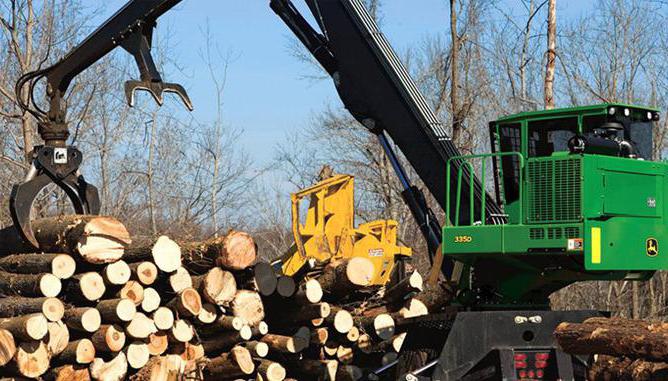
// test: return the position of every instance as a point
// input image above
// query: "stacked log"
(94, 304)
(621, 349)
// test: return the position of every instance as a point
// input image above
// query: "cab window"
(551, 135)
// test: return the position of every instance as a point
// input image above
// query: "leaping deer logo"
(652, 247)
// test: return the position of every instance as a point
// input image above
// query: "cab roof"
(601, 108)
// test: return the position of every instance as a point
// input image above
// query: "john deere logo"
(652, 247)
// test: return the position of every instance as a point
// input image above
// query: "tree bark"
(615, 340)
(607, 368)
(52, 308)
(78, 352)
(30, 285)
(108, 339)
(98, 239)
(26, 327)
(217, 286)
(83, 319)
(116, 310)
(60, 265)
(237, 362)
(551, 53)
(163, 252)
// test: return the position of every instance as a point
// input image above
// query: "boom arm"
(378, 91)
(55, 162)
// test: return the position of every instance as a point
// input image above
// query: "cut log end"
(166, 254)
(137, 354)
(146, 273)
(63, 266)
(104, 240)
(163, 318)
(53, 309)
(50, 285)
(92, 286)
(237, 251)
(32, 359)
(7, 346)
(117, 273)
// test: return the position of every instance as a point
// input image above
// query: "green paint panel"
(577, 217)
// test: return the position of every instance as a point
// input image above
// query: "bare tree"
(551, 54)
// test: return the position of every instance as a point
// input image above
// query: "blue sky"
(266, 96)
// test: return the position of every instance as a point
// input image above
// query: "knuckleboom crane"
(55, 161)
(568, 184)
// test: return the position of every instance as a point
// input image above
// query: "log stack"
(621, 349)
(95, 304)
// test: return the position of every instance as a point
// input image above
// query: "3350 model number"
(463, 238)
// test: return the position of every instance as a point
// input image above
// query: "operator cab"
(609, 129)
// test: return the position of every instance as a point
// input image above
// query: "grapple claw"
(156, 89)
(47, 170)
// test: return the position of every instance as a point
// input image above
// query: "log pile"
(623, 349)
(96, 304)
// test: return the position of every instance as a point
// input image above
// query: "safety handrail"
(465, 163)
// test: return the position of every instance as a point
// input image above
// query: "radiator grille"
(554, 190)
(536, 233)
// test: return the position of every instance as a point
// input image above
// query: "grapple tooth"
(20, 205)
(84, 198)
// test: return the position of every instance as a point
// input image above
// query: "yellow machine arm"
(328, 231)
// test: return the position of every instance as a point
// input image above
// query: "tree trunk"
(116, 310)
(237, 362)
(7, 347)
(69, 373)
(137, 354)
(187, 303)
(340, 278)
(114, 370)
(117, 273)
(26, 327)
(271, 371)
(83, 319)
(157, 343)
(140, 327)
(85, 287)
(52, 308)
(607, 368)
(163, 252)
(59, 337)
(32, 359)
(145, 272)
(615, 340)
(217, 286)
(108, 339)
(235, 251)
(551, 53)
(78, 352)
(60, 265)
(31, 285)
(248, 306)
(163, 318)
(97, 239)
